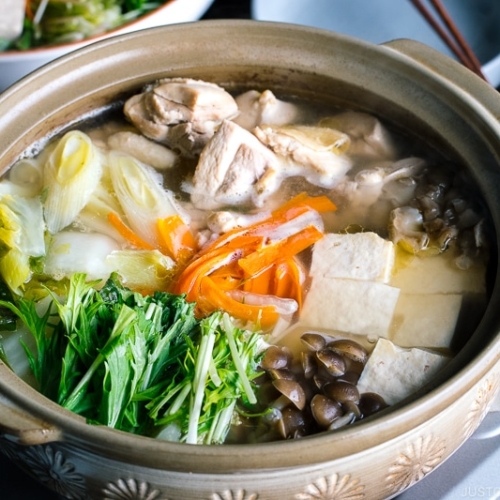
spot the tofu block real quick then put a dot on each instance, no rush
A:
(425, 320)
(359, 256)
(360, 307)
(395, 373)
(438, 275)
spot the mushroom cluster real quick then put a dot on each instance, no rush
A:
(450, 213)
(312, 392)
(443, 213)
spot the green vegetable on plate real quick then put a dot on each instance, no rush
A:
(53, 22)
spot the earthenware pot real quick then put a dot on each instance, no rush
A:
(407, 84)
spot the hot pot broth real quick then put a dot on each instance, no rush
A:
(349, 259)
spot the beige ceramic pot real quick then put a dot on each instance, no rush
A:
(404, 82)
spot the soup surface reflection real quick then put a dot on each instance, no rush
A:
(206, 267)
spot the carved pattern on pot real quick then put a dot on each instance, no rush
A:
(52, 469)
(479, 408)
(419, 458)
(234, 495)
(333, 487)
(129, 489)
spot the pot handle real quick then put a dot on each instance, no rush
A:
(451, 70)
(25, 429)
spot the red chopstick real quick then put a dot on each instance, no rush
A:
(454, 39)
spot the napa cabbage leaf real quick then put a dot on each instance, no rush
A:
(71, 174)
(21, 238)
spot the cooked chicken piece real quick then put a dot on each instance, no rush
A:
(181, 112)
(368, 136)
(232, 170)
(257, 108)
(311, 152)
(144, 149)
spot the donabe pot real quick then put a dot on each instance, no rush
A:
(405, 83)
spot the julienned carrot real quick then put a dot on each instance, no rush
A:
(228, 277)
(243, 259)
(176, 239)
(261, 259)
(265, 316)
(207, 263)
(290, 210)
(189, 280)
(288, 279)
(319, 203)
(127, 233)
(259, 283)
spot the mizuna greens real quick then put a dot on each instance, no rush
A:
(142, 364)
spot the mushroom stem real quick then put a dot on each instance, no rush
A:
(346, 419)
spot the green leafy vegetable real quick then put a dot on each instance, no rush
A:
(216, 375)
(143, 364)
(61, 21)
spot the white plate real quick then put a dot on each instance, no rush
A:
(15, 64)
(379, 21)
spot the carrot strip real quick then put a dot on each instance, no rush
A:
(260, 283)
(290, 210)
(264, 315)
(288, 279)
(188, 281)
(261, 228)
(319, 203)
(241, 260)
(261, 259)
(198, 265)
(127, 233)
(229, 277)
(176, 239)
(225, 281)
(29, 10)
(246, 241)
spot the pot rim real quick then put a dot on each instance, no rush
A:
(461, 374)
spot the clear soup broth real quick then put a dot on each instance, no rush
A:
(209, 267)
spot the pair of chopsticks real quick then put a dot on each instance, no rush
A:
(454, 39)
